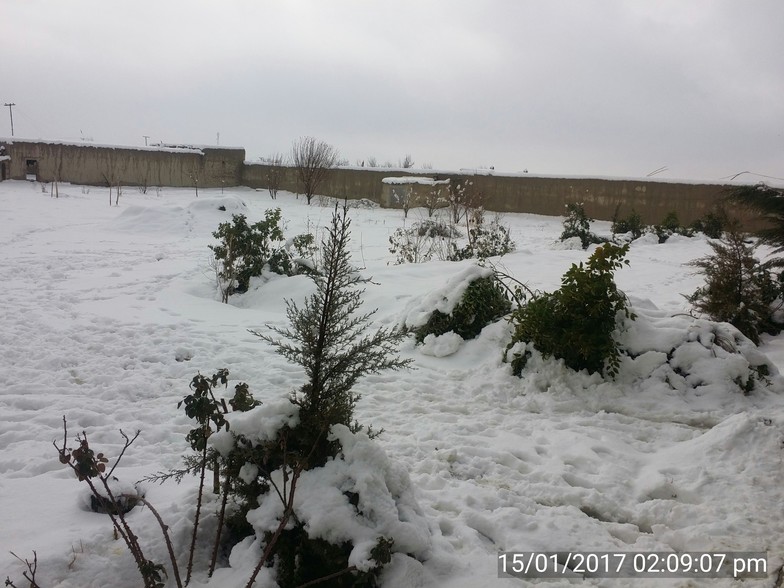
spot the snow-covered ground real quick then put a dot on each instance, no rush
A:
(109, 311)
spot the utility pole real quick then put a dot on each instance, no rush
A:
(10, 106)
(145, 139)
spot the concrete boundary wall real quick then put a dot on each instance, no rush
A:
(224, 166)
(549, 196)
(100, 165)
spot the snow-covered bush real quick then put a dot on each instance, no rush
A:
(712, 224)
(691, 356)
(679, 360)
(468, 302)
(484, 240)
(738, 288)
(669, 226)
(462, 197)
(422, 241)
(578, 224)
(244, 251)
(427, 239)
(326, 501)
(632, 224)
(345, 518)
(577, 322)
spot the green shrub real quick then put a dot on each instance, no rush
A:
(670, 222)
(632, 224)
(576, 323)
(578, 224)
(712, 224)
(244, 251)
(739, 289)
(332, 341)
(483, 302)
(669, 226)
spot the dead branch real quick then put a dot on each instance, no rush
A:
(128, 443)
(29, 575)
(165, 530)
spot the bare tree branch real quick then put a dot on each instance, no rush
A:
(313, 159)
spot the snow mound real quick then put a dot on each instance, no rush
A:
(672, 367)
(443, 299)
(386, 505)
(152, 219)
(644, 239)
(207, 212)
(257, 425)
(572, 243)
(441, 345)
(231, 204)
(362, 203)
(692, 355)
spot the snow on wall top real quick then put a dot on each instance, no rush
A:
(413, 180)
(11, 141)
(739, 180)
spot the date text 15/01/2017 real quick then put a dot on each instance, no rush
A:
(629, 564)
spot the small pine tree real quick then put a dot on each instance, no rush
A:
(739, 289)
(328, 338)
(768, 203)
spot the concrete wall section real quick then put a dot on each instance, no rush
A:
(82, 163)
(522, 193)
(600, 197)
(100, 165)
(259, 175)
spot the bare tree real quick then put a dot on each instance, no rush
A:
(111, 173)
(406, 198)
(465, 201)
(434, 200)
(194, 176)
(312, 159)
(58, 172)
(406, 162)
(274, 173)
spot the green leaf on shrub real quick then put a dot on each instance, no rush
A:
(483, 302)
(576, 322)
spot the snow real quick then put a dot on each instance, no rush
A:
(386, 502)
(108, 313)
(189, 149)
(445, 298)
(405, 180)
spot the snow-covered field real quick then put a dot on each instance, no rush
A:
(109, 311)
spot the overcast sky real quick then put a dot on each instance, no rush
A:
(580, 87)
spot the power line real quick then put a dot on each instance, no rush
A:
(733, 176)
(10, 106)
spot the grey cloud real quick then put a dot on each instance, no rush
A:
(566, 86)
